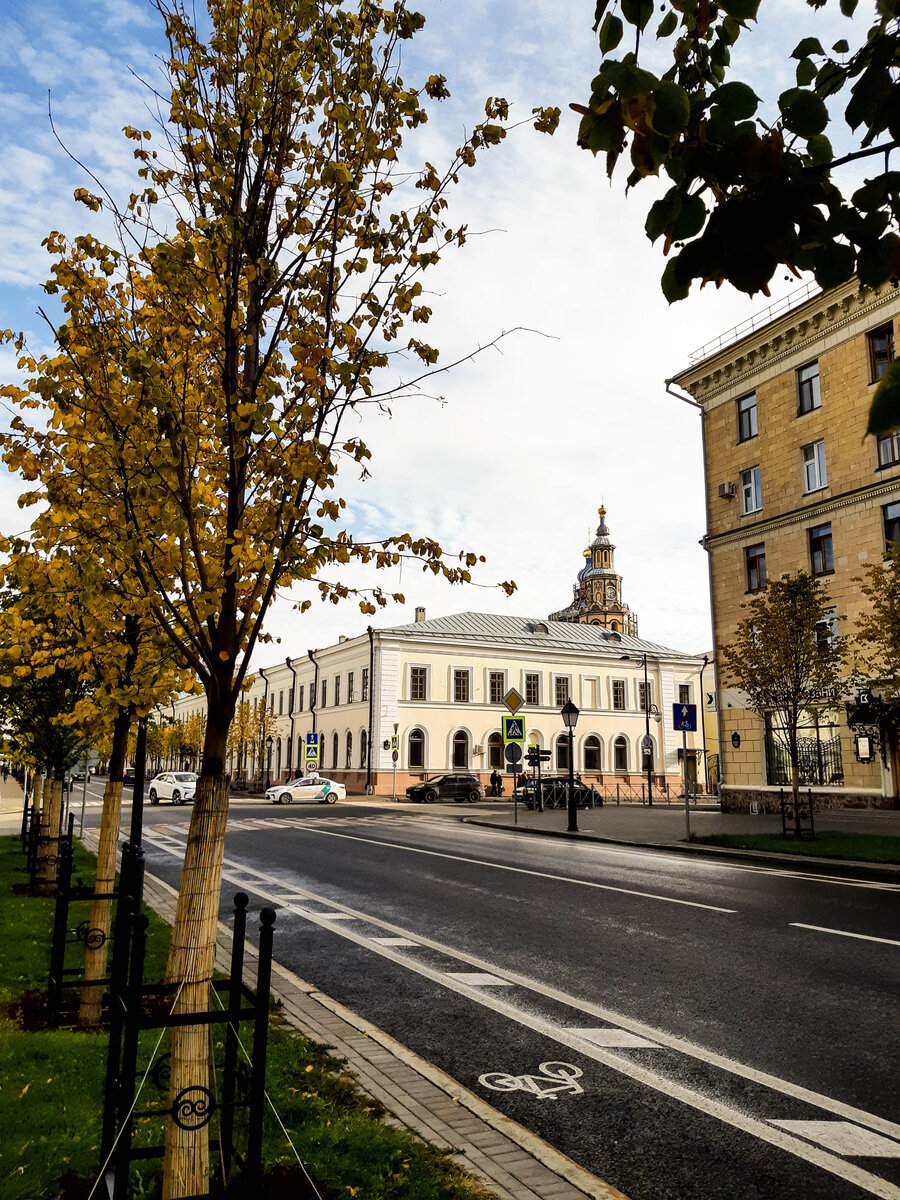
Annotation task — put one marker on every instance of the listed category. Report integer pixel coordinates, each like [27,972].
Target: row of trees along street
[200,401]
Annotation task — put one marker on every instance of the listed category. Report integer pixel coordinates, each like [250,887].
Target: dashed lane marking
[478,978]
[842,1137]
[865,937]
[614,1039]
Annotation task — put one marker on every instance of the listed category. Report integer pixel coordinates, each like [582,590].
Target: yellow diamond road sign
[513,700]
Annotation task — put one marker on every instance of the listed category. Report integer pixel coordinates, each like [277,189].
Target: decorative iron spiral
[193,1107]
[93,937]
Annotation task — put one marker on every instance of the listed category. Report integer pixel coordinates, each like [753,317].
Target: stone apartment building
[792,482]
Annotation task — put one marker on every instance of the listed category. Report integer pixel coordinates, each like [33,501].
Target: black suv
[555,793]
[446,787]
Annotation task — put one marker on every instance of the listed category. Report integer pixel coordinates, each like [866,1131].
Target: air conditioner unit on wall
[726,490]
[478,750]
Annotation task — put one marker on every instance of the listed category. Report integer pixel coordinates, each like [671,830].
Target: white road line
[480,862]
[395,941]
[614,1039]
[478,978]
[865,937]
[383,946]
[843,1137]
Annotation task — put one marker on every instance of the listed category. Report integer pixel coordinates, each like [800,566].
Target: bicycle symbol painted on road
[560,1075]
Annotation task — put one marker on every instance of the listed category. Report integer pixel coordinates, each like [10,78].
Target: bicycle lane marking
[584,1042]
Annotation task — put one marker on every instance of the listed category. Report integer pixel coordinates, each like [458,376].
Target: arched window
[348,758]
[363,748]
[278,757]
[334,749]
[460,748]
[592,760]
[495,751]
[562,752]
[299,751]
[614,626]
[620,754]
[416,748]
[288,747]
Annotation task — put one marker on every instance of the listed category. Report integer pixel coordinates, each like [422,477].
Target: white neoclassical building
[438,686]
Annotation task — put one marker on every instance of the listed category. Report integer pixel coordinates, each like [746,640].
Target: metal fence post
[260,1036]
[60,929]
[229,1068]
[129,1056]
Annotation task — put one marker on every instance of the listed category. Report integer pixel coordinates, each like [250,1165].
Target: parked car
[307,787]
[77,775]
[555,793]
[446,787]
[128,776]
[177,786]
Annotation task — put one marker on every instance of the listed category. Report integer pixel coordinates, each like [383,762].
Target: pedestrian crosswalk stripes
[246,824]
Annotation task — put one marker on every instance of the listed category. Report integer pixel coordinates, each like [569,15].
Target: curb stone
[504,1156]
[836,866]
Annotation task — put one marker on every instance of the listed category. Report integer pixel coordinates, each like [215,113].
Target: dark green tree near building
[787,659]
[752,188]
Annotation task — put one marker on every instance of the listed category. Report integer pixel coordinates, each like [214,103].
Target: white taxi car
[177,786]
[307,787]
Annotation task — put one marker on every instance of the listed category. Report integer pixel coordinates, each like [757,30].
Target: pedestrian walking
[495,783]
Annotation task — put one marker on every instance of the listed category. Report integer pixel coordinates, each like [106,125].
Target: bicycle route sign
[684,717]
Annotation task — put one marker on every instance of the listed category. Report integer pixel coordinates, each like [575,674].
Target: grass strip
[862,847]
[51,1087]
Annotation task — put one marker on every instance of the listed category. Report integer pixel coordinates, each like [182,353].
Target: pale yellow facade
[437,686]
[822,501]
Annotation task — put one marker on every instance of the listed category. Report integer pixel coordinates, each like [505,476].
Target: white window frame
[815,476]
[638,684]
[453,700]
[557,679]
[540,688]
[418,666]
[751,490]
[690,690]
[504,685]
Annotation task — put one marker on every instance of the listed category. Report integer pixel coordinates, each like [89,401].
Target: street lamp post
[268,759]
[569,716]
[647,748]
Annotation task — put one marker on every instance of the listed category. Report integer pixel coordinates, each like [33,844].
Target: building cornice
[872,491]
[783,338]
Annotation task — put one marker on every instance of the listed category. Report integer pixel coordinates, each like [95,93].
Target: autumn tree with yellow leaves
[262,290]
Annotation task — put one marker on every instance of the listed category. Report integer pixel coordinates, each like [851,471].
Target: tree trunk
[191,957]
[100,920]
[53,790]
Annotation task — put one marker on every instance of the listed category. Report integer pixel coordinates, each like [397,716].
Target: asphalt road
[724,1030]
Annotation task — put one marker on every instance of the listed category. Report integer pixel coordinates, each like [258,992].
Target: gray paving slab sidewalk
[664,825]
[512,1162]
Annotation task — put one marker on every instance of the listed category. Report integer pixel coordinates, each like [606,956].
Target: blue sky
[524,442]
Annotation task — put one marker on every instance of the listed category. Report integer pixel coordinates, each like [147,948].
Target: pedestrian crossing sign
[312,751]
[513,729]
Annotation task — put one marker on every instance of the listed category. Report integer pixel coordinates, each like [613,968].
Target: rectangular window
[561,690]
[881,351]
[272,705]
[618,694]
[324,693]
[756,567]
[814,473]
[532,688]
[364,684]
[746,417]
[418,681]
[461,689]
[497,683]
[808,394]
[280,703]
[645,695]
[684,693]
[751,490]
[892,524]
[300,697]
[337,689]
[826,630]
[820,550]
[889,450]
[290,700]
[349,687]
